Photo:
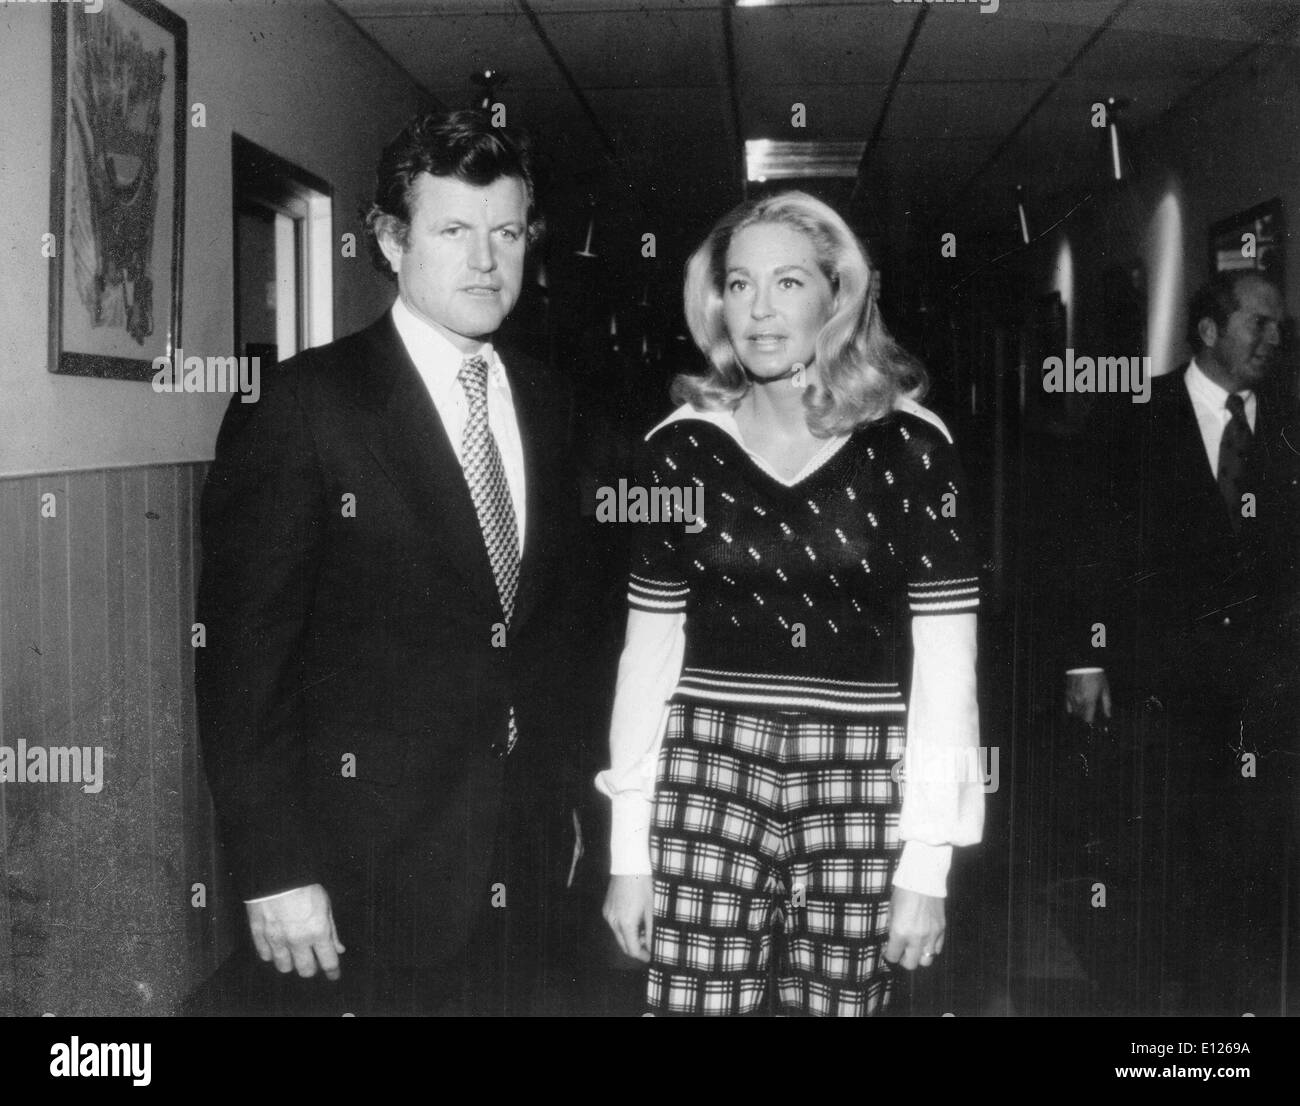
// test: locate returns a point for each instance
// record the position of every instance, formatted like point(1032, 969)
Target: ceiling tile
point(925, 112)
point(1070, 108)
point(1122, 55)
point(1242, 21)
point(1082, 13)
point(667, 115)
point(641, 49)
point(387, 9)
point(958, 43)
point(829, 113)
point(440, 51)
point(921, 161)
point(818, 46)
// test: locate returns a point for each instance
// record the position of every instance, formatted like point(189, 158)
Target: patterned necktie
point(486, 476)
point(1234, 455)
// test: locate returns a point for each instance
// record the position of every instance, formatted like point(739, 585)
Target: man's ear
point(1208, 329)
point(387, 230)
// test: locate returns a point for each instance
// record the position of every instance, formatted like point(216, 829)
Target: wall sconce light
point(586, 246)
point(1118, 163)
point(1021, 214)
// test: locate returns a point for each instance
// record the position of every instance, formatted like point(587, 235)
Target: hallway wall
point(97, 896)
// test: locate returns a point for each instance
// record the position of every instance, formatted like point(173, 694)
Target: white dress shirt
point(942, 715)
point(438, 362)
point(1209, 401)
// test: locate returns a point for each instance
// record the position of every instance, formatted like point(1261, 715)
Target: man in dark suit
point(1186, 608)
point(386, 690)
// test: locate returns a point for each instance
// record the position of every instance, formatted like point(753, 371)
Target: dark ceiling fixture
point(489, 81)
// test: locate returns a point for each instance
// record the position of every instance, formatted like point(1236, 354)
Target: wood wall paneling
point(96, 606)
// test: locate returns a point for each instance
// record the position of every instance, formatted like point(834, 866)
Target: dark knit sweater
point(797, 598)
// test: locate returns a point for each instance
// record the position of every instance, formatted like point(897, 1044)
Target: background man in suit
point(1189, 545)
point(388, 565)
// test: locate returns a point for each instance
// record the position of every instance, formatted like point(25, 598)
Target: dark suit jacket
point(1192, 607)
point(1202, 655)
point(369, 634)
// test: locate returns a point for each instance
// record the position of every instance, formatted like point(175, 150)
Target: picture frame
point(1266, 222)
point(117, 194)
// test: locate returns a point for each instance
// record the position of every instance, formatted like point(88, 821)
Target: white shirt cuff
point(630, 837)
point(277, 895)
point(924, 868)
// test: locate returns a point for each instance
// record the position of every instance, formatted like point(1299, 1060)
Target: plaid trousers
point(767, 821)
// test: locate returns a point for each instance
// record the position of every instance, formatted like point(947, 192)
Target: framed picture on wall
point(1254, 239)
point(117, 196)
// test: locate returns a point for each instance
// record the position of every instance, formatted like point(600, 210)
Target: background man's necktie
point(1234, 457)
point(486, 476)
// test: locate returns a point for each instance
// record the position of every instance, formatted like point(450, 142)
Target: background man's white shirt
point(1209, 401)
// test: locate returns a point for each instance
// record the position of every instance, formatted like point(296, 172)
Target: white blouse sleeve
point(943, 773)
point(647, 676)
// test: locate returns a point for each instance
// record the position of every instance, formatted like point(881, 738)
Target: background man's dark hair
point(1217, 299)
point(461, 144)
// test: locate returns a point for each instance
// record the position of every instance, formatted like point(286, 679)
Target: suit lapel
point(405, 435)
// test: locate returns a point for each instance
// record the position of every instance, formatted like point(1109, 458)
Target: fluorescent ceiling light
point(766, 159)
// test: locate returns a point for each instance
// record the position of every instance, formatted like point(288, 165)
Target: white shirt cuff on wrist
point(268, 898)
point(630, 836)
point(924, 868)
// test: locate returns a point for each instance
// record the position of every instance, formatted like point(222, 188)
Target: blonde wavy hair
point(862, 370)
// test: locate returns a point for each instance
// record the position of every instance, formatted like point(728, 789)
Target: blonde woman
point(759, 726)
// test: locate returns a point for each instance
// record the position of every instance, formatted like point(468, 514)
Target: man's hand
point(1087, 694)
point(296, 930)
point(629, 910)
point(916, 926)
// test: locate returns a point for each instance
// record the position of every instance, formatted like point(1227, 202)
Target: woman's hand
point(916, 928)
point(629, 910)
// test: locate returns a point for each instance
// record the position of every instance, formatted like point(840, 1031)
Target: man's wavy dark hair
point(1218, 299)
point(461, 144)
